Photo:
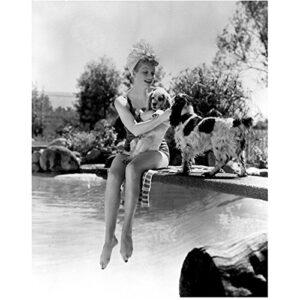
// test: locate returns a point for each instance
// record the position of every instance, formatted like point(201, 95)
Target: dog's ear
point(175, 116)
point(168, 101)
point(181, 98)
point(151, 95)
point(179, 102)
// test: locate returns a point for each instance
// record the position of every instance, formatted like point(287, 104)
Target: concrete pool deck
point(251, 186)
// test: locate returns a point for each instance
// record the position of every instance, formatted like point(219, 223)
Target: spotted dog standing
point(195, 135)
point(159, 101)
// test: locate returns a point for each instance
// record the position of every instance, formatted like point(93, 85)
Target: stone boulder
point(59, 158)
point(36, 167)
point(36, 161)
point(96, 156)
point(77, 154)
point(36, 156)
point(235, 268)
point(93, 156)
point(61, 142)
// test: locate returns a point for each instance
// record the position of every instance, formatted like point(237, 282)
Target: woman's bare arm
point(131, 124)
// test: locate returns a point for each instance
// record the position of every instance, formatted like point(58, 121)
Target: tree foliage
point(60, 119)
point(102, 137)
point(98, 87)
point(47, 122)
point(41, 111)
point(243, 44)
point(211, 88)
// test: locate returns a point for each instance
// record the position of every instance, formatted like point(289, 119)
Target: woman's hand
point(138, 128)
point(166, 114)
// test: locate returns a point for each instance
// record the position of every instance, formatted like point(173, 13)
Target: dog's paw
point(208, 175)
point(186, 171)
point(242, 174)
point(181, 173)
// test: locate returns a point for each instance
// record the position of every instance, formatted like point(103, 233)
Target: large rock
point(59, 158)
point(61, 142)
point(36, 161)
point(93, 156)
point(36, 156)
point(96, 156)
point(36, 167)
point(227, 269)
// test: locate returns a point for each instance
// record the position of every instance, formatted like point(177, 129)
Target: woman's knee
point(116, 172)
point(133, 170)
point(114, 175)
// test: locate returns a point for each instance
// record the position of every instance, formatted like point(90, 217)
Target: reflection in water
point(68, 232)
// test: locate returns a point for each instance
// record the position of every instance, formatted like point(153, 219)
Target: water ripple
point(68, 221)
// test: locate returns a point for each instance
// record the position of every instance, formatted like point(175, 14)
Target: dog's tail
point(247, 122)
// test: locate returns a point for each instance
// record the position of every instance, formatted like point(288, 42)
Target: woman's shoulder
point(121, 100)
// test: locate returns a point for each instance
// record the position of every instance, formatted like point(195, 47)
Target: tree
point(98, 87)
point(41, 111)
point(60, 119)
point(243, 44)
point(212, 89)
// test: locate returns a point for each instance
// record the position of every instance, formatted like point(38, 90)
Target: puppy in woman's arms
point(195, 135)
point(159, 101)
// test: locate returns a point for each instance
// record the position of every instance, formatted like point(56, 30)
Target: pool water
point(68, 232)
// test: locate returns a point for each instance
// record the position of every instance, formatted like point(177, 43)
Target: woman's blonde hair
point(140, 52)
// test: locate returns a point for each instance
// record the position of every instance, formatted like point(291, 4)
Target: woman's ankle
point(126, 231)
point(110, 240)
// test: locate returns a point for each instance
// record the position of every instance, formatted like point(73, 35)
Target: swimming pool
point(68, 232)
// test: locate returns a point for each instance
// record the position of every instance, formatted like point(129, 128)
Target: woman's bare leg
point(134, 170)
point(115, 178)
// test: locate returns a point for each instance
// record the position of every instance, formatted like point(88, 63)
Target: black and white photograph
point(149, 149)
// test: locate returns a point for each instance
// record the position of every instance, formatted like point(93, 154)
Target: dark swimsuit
point(130, 136)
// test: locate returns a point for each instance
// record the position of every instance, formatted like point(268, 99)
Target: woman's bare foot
point(106, 252)
point(126, 246)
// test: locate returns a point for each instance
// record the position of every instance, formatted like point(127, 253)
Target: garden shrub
point(102, 137)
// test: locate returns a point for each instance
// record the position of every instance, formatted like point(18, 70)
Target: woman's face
point(144, 74)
